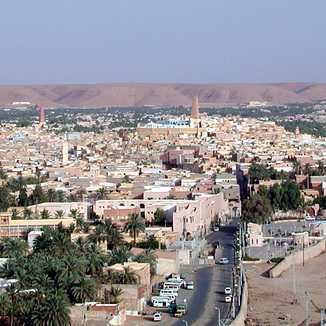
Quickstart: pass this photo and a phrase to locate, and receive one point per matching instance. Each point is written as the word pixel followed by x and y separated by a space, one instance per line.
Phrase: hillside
pixel 112 95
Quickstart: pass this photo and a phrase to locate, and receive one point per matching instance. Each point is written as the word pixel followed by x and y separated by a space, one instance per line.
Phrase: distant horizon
pixel 169 83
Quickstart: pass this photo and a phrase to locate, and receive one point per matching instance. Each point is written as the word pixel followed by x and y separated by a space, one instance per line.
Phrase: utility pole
pixel 322 317
pixel 294 282
pixel 307 308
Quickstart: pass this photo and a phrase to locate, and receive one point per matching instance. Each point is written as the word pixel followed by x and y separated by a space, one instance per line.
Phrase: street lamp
pixel 185 322
pixel 218 316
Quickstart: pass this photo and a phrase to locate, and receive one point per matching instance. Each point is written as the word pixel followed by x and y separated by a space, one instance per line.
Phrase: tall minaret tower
pixel 65 151
pixel 42 117
pixel 195 109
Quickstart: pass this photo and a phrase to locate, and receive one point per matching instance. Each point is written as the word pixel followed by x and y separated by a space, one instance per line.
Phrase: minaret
pixel 65 151
pixel 42 117
pixel 195 109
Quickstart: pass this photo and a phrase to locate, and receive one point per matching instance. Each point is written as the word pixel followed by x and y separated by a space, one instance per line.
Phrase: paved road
pixel 210 282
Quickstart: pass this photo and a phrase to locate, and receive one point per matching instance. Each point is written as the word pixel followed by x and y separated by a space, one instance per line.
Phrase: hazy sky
pixel 203 41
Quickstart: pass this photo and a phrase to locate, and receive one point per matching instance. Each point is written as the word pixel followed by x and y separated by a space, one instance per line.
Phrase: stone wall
pixel 305 254
pixel 242 315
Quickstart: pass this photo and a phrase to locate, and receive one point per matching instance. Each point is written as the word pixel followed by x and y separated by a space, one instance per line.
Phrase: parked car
pixel 228 298
pixel 190 285
pixel 216 229
pixel 157 316
pixel 227 290
pixel 223 260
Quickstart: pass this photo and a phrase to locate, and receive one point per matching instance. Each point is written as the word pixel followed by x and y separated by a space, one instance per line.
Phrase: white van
pixel 169 292
pixel 178 281
pixel 161 303
pixel 171 285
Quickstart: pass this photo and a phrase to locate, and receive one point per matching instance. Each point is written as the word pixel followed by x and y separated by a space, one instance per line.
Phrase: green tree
pixel 51 195
pixel 159 216
pixel 127 276
pixel 59 214
pixel 102 193
pixel 257 209
pixel 4 199
pixel 38 195
pixel 45 214
pixel 27 213
pixel 54 312
pixel 126 179
pixel 15 214
pixel 134 226
pixel 84 290
pixel 23 199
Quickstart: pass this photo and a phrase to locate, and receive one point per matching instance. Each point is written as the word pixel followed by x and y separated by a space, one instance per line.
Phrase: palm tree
pixel 61 196
pixel 307 169
pixel 15 214
pixel 149 257
pixel 120 255
pixel 59 214
pixel 115 293
pixel 98 235
pixel 82 243
pixel 51 194
pixel 27 213
pixel 321 167
pixel 113 238
pixel 94 259
pixel 84 290
pixel 5 305
pixel 297 167
pixel 73 269
pixel 134 226
pixel 74 213
pixel 128 276
pixel 80 193
pixel 54 312
pixel 14 246
pixel 45 214
pixel 102 193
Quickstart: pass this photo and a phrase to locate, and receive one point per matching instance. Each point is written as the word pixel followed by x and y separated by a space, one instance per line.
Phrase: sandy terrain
pixel 271 300
pixel 137 94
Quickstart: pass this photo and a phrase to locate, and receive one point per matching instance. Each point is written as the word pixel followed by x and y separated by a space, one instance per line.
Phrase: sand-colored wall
pixel 242 315
pixel 308 253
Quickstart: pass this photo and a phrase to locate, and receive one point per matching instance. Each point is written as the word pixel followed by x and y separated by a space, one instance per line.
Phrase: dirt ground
pixel 271 300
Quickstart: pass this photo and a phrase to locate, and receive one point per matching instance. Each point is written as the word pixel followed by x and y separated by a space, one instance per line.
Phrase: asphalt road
pixel 210 282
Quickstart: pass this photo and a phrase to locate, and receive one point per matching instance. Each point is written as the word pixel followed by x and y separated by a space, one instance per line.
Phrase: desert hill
pixel 137 94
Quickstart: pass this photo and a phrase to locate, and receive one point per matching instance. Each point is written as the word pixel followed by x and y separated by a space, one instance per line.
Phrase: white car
pixel 223 260
pixel 216 229
pixel 157 316
pixel 227 290
pixel 190 285
pixel 228 298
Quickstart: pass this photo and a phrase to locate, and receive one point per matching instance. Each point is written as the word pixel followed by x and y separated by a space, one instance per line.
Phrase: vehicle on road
pixel 181 282
pixel 228 298
pixel 161 302
pixel 190 285
pixel 170 285
pixel 223 260
pixel 169 292
pixel 216 229
pixel 157 316
pixel 182 309
pixel 227 290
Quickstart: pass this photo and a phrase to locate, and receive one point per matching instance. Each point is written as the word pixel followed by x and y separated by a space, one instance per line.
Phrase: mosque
pixel 183 127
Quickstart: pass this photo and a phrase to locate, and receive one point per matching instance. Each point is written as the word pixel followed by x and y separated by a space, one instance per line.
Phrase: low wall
pixel 242 315
pixel 305 254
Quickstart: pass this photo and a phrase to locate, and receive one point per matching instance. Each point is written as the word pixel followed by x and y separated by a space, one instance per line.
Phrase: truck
pixel 182 309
